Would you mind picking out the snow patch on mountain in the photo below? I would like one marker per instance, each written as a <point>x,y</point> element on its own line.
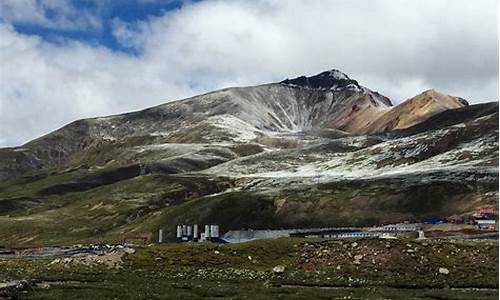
<point>336,74</point>
<point>407,155</point>
<point>239,130</point>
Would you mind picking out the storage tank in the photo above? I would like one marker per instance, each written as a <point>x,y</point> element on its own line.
<point>207,231</point>
<point>195,231</point>
<point>189,230</point>
<point>160,236</point>
<point>179,231</point>
<point>214,231</point>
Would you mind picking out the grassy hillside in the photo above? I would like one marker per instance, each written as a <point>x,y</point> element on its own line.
<point>44,212</point>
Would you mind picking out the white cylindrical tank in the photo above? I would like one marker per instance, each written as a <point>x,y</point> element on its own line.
<point>179,231</point>
<point>189,230</point>
<point>195,231</point>
<point>214,230</point>
<point>184,230</point>
<point>207,231</point>
<point>160,235</point>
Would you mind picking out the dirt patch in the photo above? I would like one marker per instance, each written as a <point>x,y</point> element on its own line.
<point>111,260</point>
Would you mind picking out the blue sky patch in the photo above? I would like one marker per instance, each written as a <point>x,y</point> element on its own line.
<point>105,12</point>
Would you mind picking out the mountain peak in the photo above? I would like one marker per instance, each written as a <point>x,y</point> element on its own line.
<point>335,74</point>
<point>330,80</point>
<point>415,110</point>
<point>432,94</point>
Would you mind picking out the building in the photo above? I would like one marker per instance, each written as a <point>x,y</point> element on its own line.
<point>352,234</point>
<point>486,224</point>
<point>486,211</point>
<point>241,236</point>
<point>402,227</point>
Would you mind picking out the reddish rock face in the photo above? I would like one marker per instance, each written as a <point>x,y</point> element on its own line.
<point>413,111</point>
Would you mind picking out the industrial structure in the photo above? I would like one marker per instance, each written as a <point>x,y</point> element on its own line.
<point>486,223</point>
<point>486,217</point>
<point>387,231</point>
<point>402,227</point>
<point>191,233</point>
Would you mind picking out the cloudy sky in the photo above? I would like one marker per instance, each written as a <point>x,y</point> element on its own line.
<point>62,60</point>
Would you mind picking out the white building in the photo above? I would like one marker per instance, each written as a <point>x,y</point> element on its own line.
<point>402,227</point>
<point>486,223</point>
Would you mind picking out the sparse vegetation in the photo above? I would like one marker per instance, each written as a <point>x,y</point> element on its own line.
<point>393,269</point>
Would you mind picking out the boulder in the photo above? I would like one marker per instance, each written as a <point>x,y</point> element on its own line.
<point>279,269</point>
<point>129,250</point>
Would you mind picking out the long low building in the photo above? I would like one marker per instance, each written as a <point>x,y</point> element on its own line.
<point>350,234</point>
<point>240,236</point>
<point>486,224</point>
<point>402,227</point>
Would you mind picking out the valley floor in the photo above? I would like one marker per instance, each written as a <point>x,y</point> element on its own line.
<point>288,268</point>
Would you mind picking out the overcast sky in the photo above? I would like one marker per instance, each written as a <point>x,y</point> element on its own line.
<point>65,60</point>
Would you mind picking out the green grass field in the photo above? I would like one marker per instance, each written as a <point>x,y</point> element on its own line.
<point>314,269</point>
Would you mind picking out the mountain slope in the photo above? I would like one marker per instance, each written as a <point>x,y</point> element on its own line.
<point>449,117</point>
<point>277,155</point>
<point>233,114</point>
<point>414,111</point>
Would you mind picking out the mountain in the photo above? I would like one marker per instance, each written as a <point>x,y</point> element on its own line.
<point>234,114</point>
<point>304,152</point>
<point>414,111</point>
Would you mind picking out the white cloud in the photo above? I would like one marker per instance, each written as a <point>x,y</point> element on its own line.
<point>54,14</point>
<point>397,47</point>
<point>129,35</point>
<point>44,86</point>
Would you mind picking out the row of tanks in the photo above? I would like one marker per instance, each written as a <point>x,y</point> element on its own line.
<point>190,233</point>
